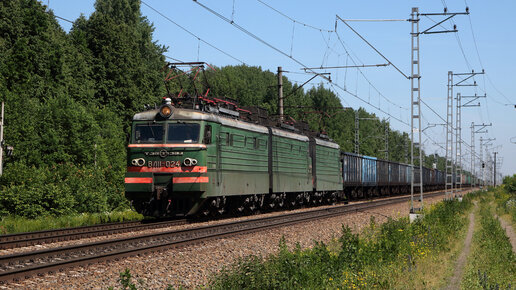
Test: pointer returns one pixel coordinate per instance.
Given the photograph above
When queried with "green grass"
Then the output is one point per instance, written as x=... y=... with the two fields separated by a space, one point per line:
x=10 y=225
x=391 y=255
x=492 y=263
x=505 y=203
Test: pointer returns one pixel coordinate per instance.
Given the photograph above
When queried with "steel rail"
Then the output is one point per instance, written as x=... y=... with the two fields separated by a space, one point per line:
x=22 y=265
x=66 y=234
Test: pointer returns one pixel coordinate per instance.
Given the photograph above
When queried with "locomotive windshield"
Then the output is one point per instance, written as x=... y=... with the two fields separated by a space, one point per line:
x=183 y=133
x=148 y=133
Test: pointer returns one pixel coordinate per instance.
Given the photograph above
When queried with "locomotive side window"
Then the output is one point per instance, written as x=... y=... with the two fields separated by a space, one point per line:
x=237 y=140
x=148 y=133
x=207 y=134
x=183 y=133
x=262 y=145
x=251 y=142
x=224 y=136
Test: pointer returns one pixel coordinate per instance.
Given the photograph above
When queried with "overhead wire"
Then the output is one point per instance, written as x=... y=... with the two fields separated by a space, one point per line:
x=192 y=34
x=292 y=19
x=292 y=58
x=325 y=57
x=363 y=75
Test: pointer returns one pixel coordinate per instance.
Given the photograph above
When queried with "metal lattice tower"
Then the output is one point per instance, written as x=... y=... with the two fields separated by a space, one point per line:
x=482 y=164
x=473 y=173
x=415 y=123
x=449 y=139
x=458 y=147
x=485 y=143
x=474 y=131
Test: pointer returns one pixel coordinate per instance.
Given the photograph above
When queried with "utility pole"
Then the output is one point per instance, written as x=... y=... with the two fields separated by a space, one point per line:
x=473 y=154
x=458 y=125
x=415 y=77
x=474 y=131
x=494 y=175
x=415 y=112
x=484 y=142
x=357 y=130
x=458 y=148
x=280 y=94
x=449 y=139
x=453 y=186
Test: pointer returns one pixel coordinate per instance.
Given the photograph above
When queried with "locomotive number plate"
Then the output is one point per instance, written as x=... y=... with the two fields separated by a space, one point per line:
x=164 y=164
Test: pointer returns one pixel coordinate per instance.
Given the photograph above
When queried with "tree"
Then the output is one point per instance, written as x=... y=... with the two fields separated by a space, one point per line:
x=126 y=62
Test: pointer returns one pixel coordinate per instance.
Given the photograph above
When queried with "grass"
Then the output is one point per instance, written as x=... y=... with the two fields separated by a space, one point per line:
x=10 y=225
x=492 y=263
x=396 y=254
x=505 y=204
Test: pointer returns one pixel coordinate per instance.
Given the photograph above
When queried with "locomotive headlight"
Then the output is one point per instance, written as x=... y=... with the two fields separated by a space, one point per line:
x=165 y=111
x=190 y=162
x=141 y=162
x=187 y=162
x=138 y=162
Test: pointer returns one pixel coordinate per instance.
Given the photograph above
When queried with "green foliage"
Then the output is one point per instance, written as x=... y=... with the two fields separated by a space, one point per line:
x=125 y=60
x=505 y=200
x=492 y=263
x=58 y=190
x=125 y=280
x=70 y=99
x=16 y=224
x=509 y=182
x=373 y=260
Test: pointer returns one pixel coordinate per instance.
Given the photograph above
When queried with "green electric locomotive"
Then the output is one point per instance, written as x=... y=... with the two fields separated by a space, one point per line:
x=207 y=159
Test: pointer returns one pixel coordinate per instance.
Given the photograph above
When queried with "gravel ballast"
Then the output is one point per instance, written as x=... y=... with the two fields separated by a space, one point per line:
x=194 y=265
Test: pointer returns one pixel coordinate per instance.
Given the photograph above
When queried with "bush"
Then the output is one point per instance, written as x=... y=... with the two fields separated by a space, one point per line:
x=509 y=183
x=492 y=263
x=17 y=224
x=357 y=262
x=59 y=190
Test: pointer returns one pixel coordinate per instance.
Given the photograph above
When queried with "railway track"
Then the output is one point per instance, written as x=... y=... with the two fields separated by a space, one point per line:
x=68 y=234
x=22 y=265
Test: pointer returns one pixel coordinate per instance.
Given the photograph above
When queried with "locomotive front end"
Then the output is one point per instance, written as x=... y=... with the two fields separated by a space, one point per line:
x=166 y=164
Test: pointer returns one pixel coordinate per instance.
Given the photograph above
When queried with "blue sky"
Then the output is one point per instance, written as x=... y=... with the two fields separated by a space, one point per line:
x=493 y=29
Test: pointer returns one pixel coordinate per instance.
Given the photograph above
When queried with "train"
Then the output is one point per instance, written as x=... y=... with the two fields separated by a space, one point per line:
x=208 y=156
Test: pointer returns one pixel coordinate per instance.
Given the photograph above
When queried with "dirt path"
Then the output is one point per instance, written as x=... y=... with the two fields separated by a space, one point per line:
x=461 y=262
x=509 y=231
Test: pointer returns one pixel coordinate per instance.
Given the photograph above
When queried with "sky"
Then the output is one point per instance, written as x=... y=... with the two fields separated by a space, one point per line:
x=295 y=34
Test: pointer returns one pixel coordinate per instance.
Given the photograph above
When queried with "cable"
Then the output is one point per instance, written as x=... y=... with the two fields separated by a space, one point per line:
x=292 y=58
x=63 y=19
x=174 y=59
x=192 y=34
x=292 y=19
x=369 y=82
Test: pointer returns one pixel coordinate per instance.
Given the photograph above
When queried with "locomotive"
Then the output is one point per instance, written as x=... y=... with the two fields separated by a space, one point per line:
x=200 y=155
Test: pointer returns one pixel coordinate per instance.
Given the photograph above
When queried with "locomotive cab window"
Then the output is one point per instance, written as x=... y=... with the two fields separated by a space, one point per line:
x=183 y=133
x=148 y=133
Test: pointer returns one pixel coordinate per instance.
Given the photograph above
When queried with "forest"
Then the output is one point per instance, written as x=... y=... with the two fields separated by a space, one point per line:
x=70 y=96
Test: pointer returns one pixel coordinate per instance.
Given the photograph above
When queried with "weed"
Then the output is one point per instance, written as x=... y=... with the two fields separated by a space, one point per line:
x=9 y=224
x=380 y=258
x=492 y=263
